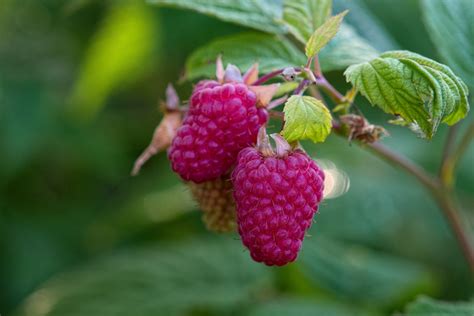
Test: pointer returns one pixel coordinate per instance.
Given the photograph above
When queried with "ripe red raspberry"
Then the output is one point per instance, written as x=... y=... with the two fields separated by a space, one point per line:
x=217 y=204
x=277 y=196
x=222 y=119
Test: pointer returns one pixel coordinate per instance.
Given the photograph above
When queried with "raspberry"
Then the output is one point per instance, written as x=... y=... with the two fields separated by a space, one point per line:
x=222 y=119
x=216 y=201
x=277 y=196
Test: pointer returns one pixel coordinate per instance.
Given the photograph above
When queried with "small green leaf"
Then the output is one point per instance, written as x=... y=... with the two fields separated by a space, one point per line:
x=421 y=91
x=324 y=34
x=302 y=17
x=243 y=50
x=257 y=14
x=425 y=306
x=450 y=26
x=306 y=118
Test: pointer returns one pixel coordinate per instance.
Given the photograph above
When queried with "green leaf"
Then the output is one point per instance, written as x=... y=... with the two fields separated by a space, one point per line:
x=160 y=280
x=360 y=274
x=118 y=54
x=302 y=17
x=323 y=34
x=243 y=50
x=420 y=90
x=306 y=307
x=453 y=92
x=451 y=28
x=347 y=48
x=425 y=306
x=257 y=14
x=306 y=118
x=366 y=23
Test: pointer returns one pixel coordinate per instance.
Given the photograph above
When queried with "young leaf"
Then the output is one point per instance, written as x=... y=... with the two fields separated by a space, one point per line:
x=324 y=34
x=257 y=14
x=243 y=50
x=302 y=17
x=306 y=118
x=450 y=26
x=425 y=306
x=419 y=90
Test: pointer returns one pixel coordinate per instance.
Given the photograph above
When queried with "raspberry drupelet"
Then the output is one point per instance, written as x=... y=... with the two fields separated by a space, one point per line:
x=277 y=195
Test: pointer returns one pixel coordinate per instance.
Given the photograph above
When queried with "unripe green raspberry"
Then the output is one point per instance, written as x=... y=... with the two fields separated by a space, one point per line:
x=217 y=204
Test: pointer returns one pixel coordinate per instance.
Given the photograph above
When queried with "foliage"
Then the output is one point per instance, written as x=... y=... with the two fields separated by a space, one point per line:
x=306 y=118
x=425 y=306
x=421 y=91
x=112 y=245
x=451 y=23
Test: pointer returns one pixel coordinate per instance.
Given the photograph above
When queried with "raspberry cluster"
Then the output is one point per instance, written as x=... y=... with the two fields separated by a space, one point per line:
x=222 y=152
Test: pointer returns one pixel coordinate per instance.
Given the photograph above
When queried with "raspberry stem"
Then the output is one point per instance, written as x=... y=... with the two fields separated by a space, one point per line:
x=439 y=187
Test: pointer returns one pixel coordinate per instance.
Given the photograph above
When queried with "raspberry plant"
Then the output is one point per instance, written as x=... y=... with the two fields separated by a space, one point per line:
x=278 y=191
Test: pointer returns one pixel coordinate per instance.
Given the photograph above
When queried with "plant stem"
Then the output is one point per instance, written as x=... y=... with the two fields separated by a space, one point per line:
x=268 y=76
x=439 y=189
x=450 y=162
x=405 y=163
x=301 y=87
x=449 y=144
x=441 y=194
x=335 y=95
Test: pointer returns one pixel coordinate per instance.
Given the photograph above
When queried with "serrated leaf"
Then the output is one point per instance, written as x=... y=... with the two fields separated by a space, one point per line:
x=419 y=90
x=347 y=48
x=306 y=307
x=451 y=28
x=257 y=14
x=161 y=280
x=453 y=92
x=426 y=306
x=360 y=274
x=117 y=54
x=306 y=118
x=243 y=50
x=323 y=34
x=302 y=17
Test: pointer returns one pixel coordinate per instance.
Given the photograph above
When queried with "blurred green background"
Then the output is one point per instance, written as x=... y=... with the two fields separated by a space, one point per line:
x=79 y=88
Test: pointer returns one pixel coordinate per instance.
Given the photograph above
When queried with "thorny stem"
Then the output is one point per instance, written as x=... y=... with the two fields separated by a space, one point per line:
x=438 y=187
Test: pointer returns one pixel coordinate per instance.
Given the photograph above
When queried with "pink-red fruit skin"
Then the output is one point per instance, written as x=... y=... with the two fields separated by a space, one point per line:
x=276 y=199
x=222 y=120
